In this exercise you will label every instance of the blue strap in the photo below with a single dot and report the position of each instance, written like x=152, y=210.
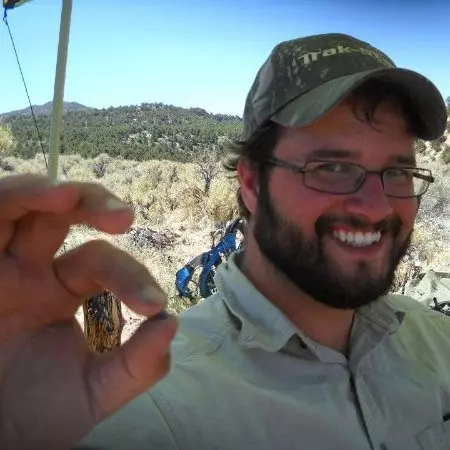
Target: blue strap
x=209, y=260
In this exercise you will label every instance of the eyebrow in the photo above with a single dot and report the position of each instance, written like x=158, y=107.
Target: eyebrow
x=403, y=159
x=342, y=154
x=332, y=153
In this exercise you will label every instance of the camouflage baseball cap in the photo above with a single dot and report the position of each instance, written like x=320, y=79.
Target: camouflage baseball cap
x=304, y=78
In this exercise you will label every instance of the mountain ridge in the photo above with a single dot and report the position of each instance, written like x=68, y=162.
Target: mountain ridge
x=148, y=131
x=145, y=131
x=45, y=109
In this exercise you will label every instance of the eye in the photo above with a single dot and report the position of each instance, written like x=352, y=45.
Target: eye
x=333, y=167
x=400, y=173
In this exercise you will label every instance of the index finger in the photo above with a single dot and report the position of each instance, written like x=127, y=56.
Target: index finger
x=80, y=202
x=22, y=194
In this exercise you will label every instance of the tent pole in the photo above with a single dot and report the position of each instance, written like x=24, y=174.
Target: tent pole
x=58, y=94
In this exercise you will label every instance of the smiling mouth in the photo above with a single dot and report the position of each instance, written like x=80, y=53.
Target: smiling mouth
x=358, y=239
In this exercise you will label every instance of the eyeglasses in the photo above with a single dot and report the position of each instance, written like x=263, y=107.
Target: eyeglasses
x=337, y=177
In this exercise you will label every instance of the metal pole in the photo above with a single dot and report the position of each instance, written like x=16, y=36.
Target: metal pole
x=58, y=94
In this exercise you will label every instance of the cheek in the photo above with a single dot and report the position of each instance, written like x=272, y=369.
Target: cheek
x=407, y=211
x=299, y=205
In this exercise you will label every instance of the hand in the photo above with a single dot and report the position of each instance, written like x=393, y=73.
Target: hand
x=53, y=389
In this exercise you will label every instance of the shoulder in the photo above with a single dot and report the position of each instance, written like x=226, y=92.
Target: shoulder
x=406, y=304
x=419, y=318
x=410, y=305
x=202, y=328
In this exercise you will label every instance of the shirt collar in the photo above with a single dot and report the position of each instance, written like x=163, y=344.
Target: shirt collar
x=263, y=325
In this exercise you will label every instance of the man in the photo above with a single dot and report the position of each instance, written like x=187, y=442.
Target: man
x=300, y=348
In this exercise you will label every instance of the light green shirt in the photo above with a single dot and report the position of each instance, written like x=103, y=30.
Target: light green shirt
x=243, y=377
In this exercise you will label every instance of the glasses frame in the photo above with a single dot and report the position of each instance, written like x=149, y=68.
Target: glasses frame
x=427, y=175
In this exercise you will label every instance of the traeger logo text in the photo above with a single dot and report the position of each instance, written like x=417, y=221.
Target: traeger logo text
x=307, y=58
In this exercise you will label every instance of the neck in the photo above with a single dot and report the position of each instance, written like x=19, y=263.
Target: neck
x=325, y=325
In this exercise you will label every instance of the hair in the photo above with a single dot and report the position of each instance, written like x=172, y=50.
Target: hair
x=367, y=98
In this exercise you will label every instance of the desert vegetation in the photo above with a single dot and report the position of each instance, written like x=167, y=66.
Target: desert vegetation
x=179, y=200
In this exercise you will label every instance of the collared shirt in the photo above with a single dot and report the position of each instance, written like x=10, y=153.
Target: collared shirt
x=244, y=377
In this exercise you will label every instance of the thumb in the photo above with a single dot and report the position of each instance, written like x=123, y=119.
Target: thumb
x=117, y=377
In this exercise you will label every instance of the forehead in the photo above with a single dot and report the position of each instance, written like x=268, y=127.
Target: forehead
x=346, y=128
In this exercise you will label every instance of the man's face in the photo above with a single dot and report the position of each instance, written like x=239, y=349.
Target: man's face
x=315, y=238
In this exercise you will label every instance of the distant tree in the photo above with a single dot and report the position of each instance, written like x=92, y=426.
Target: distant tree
x=446, y=154
x=420, y=146
x=442, y=139
x=436, y=145
x=208, y=166
x=100, y=165
x=7, y=142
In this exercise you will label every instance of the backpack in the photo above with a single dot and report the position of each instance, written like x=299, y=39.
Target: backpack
x=208, y=262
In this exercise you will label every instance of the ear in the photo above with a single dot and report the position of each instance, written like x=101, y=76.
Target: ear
x=248, y=181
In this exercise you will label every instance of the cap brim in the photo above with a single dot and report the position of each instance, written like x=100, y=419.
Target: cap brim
x=423, y=94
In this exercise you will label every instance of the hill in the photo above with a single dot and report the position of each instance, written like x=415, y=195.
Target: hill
x=139, y=132
x=45, y=109
x=147, y=131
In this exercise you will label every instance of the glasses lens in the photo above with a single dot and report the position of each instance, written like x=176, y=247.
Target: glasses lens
x=406, y=182
x=333, y=177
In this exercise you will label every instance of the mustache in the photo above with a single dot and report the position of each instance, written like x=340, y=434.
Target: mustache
x=392, y=224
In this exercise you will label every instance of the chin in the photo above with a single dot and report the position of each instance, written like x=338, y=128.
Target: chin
x=357, y=269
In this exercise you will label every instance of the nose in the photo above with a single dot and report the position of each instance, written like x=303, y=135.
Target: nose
x=370, y=201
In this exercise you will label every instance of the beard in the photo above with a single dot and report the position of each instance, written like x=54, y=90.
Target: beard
x=305, y=263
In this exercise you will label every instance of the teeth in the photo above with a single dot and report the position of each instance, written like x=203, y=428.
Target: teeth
x=358, y=238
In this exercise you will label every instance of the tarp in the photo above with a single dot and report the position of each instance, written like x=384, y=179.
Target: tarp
x=429, y=286
x=10, y=4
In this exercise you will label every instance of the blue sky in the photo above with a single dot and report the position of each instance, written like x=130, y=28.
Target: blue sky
x=197, y=52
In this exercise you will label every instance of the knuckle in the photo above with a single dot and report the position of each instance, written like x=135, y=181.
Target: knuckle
x=98, y=247
x=93, y=189
x=101, y=254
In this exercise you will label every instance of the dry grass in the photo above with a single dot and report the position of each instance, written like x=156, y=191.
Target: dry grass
x=166, y=197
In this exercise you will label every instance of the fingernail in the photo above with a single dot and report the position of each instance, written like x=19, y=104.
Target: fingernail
x=113, y=204
x=152, y=294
